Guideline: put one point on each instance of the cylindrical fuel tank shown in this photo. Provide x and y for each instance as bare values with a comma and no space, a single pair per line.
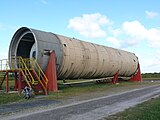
74,58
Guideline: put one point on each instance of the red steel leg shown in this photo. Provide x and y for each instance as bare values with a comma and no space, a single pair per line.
51,73
7,82
137,76
115,78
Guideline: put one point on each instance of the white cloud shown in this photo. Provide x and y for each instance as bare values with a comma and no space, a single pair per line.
150,62
131,42
4,55
151,14
114,41
138,32
134,29
115,32
132,33
90,25
6,34
153,37
4,50
129,34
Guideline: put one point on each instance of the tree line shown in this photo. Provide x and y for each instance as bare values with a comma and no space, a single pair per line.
151,75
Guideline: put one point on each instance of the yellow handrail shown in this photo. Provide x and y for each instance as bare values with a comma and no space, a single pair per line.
26,70
33,65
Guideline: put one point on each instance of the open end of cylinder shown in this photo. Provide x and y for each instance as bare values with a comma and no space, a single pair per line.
23,44
26,47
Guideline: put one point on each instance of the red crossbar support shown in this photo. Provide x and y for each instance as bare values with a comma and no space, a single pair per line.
51,73
115,78
137,76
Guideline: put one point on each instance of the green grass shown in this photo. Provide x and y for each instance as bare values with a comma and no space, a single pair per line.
66,91
8,98
151,78
75,90
11,84
149,110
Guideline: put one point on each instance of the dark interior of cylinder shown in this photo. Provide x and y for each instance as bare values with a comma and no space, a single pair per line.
25,45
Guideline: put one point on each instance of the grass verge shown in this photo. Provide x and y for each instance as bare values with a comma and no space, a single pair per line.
9,97
92,88
66,91
148,110
151,78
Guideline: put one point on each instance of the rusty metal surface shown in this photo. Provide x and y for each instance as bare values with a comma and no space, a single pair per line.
87,60
74,58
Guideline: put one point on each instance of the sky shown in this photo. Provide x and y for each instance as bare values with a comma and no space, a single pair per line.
131,25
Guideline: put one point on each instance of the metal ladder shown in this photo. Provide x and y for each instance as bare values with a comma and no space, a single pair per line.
40,79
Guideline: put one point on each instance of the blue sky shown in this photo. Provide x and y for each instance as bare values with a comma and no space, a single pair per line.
131,25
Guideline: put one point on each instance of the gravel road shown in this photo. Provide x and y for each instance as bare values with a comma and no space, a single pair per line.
93,109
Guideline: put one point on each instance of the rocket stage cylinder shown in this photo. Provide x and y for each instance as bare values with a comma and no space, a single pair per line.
74,58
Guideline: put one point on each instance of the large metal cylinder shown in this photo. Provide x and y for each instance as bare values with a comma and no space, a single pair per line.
74,58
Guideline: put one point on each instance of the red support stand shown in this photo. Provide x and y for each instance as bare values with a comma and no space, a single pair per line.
115,78
19,81
7,82
137,76
15,82
51,73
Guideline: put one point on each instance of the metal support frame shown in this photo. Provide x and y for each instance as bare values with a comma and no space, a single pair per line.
25,77
115,78
17,82
51,73
137,76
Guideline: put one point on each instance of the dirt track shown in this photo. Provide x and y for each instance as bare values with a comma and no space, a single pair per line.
92,109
